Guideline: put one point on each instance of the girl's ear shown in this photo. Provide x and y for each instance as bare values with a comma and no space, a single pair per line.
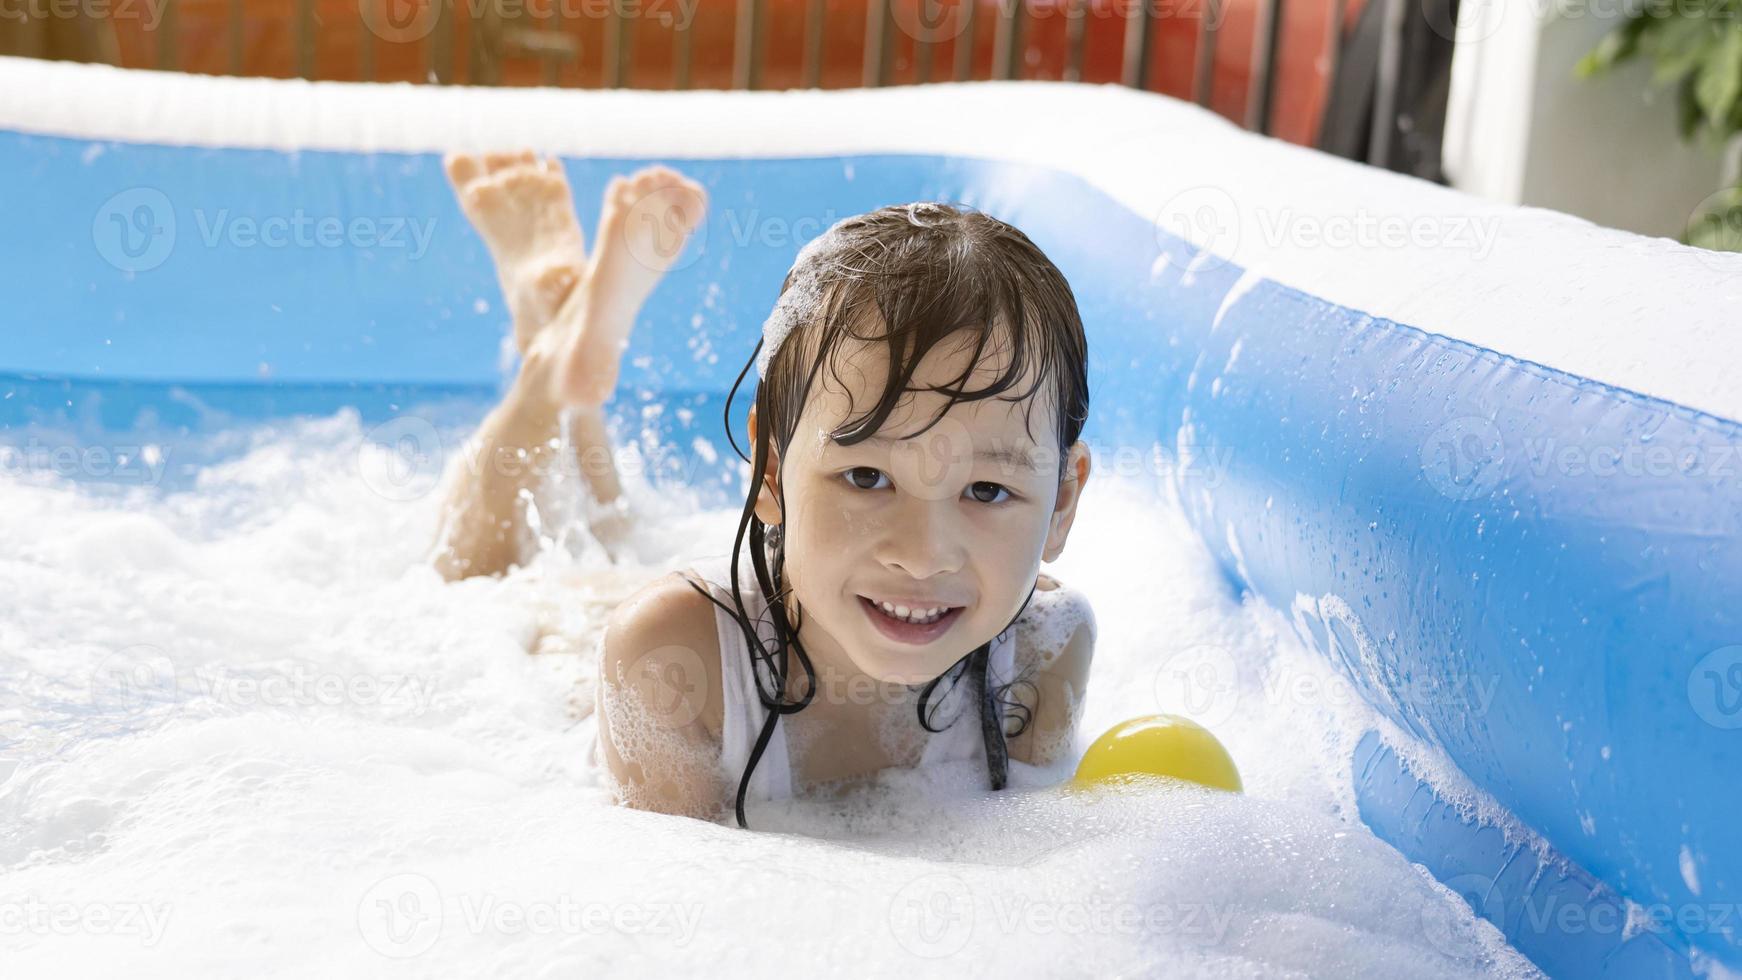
1064,512
768,493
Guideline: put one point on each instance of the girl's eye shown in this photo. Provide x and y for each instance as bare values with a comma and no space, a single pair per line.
868,478
858,473
991,490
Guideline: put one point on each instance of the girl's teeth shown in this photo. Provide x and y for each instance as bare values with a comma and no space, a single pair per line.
920,616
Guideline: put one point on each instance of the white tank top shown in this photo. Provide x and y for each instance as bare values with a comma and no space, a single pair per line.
744,714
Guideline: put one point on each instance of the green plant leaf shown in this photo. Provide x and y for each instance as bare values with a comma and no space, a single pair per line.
1695,49
1720,79
1617,46
1680,47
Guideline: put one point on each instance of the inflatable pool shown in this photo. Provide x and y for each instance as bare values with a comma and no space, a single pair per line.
1484,460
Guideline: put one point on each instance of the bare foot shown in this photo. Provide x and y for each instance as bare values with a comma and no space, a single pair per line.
522,208
645,222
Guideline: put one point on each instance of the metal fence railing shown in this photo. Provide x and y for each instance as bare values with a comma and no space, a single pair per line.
1273,66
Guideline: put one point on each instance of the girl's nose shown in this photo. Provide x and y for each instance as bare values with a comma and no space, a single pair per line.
924,541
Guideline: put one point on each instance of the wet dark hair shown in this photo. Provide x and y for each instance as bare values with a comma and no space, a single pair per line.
930,272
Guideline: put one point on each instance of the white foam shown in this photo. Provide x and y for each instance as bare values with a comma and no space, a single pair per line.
287,828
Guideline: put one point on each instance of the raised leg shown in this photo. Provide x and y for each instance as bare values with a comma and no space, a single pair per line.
565,311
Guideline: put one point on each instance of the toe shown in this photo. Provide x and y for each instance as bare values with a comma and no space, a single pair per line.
618,191
503,161
462,168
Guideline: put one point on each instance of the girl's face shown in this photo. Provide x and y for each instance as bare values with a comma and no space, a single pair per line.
959,517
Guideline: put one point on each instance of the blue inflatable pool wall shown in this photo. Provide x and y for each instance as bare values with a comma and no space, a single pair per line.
1531,574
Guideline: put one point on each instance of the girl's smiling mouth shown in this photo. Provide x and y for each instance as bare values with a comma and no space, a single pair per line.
916,627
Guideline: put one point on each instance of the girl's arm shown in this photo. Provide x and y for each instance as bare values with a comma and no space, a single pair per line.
659,701
1059,676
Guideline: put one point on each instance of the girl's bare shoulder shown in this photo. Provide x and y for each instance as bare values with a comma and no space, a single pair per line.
1055,642
663,639
1056,633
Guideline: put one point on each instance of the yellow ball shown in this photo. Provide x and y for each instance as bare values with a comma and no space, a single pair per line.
1159,745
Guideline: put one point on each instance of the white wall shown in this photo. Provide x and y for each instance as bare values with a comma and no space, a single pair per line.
1522,128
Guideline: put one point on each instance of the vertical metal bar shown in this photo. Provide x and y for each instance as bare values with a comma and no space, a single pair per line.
440,41
682,55
1007,39
304,38
166,47
876,39
234,36
813,43
1076,33
1261,96
625,43
482,32
965,42
365,47
1385,89
747,45
1139,32
890,42
550,71
922,53
611,48
1208,28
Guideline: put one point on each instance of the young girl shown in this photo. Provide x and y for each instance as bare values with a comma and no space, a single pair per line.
915,440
